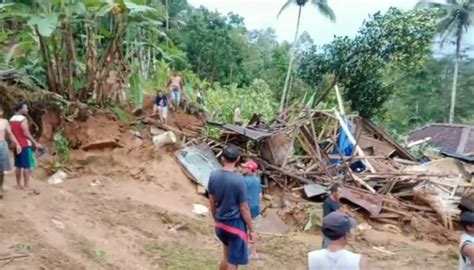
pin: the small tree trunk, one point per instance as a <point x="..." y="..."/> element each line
<point x="49" y="63"/>
<point x="290" y="64"/>
<point x="91" y="62"/>
<point x="59" y="66"/>
<point x="72" y="61"/>
<point x="167" y="7"/>
<point x="455" y="75"/>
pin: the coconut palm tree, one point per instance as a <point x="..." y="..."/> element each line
<point x="324" y="9"/>
<point x="457" y="17"/>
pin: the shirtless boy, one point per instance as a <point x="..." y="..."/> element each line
<point x="5" y="131"/>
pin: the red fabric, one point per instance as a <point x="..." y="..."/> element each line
<point x="17" y="130"/>
<point x="233" y="230"/>
<point x="251" y="165"/>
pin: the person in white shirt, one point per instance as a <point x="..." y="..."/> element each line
<point x="466" y="245"/>
<point x="336" y="227"/>
<point x="238" y="115"/>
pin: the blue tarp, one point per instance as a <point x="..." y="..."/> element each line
<point x="346" y="148"/>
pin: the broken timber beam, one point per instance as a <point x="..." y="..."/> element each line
<point x="285" y="172"/>
<point x="361" y="182"/>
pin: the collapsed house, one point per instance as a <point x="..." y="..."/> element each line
<point x="309" y="150"/>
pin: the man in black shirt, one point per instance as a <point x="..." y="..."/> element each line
<point x="161" y="106"/>
<point x="332" y="204"/>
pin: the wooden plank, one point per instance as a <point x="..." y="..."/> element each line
<point x="463" y="141"/>
<point x="360" y="181"/>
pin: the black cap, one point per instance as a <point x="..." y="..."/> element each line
<point x="231" y="153"/>
<point x="336" y="225"/>
<point x="467" y="218"/>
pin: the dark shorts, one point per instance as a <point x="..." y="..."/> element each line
<point x="26" y="159"/>
<point x="233" y="234"/>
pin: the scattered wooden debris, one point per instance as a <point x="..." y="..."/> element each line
<point x="308" y="147"/>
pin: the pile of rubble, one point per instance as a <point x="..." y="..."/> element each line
<point x="309" y="150"/>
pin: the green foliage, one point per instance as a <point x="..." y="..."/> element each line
<point x="396" y="40"/>
<point x="322" y="6"/>
<point x="212" y="132"/>
<point x="46" y="25"/>
<point x="136" y="89"/>
<point x="422" y="96"/>
<point x="257" y="98"/>
<point x="94" y="253"/>
<point x="122" y="115"/>
<point x="62" y="147"/>
<point x="175" y="256"/>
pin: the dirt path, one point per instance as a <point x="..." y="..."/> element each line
<point x="138" y="215"/>
<point x="127" y="224"/>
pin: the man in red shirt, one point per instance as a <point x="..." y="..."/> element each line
<point x="24" y="161"/>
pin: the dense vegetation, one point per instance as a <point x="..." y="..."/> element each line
<point x="113" y="51"/>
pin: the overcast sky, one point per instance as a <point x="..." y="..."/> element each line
<point x="350" y="15"/>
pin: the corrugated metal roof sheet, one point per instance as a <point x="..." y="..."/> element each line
<point x="198" y="162"/>
<point x="248" y="132"/>
<point x="448" y="137"/>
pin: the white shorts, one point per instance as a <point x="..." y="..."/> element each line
<point x="163" y="112"/>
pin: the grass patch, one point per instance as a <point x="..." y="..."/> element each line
<point x="172" y="255"/>
<point x="25" y="247"/>
<point x="94" y="253"/>
<point x="122" y="115"/>
<point x="62" y="146"/>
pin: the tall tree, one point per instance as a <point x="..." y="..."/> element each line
<point x="457" y="17"/>
<point x="393" y="41"/>
<point x="325" y="10"/>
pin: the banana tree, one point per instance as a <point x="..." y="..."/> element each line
<point x="64" y="27"/>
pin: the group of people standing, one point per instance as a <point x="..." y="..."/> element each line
<point x="175" y="85"/>
<point x="15" y="134"/>
<point x="235" y="206"/>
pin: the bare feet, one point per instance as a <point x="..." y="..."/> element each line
<point x="19" y="187"/>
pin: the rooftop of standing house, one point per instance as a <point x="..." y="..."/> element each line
<point x="454" y="138"/>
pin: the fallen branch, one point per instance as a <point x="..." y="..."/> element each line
<point x="15" y="256"/>
<point x="285" y="172"/>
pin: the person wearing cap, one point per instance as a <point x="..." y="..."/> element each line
<point x="231" y="212"/>
<point x="333" y="204"/>
<point x="466" y="245"/>
<point x="336" y="226"/>
<point x="254" y="191"/>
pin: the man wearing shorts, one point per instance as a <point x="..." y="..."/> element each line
<point x="176" y="85"/>
<point x="254" y="192"/>
<point x="4" y="158"/>
<point x="161" y="106"/>
<point x="231" y="212"/>
<point x="24" y="161"/>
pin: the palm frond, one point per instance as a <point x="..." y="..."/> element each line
<point x="430" y="4"/>
<point x="325" y="9"/>
<point x="284" y="7"/>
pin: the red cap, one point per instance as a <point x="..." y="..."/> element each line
<point x="251" y="165"/>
